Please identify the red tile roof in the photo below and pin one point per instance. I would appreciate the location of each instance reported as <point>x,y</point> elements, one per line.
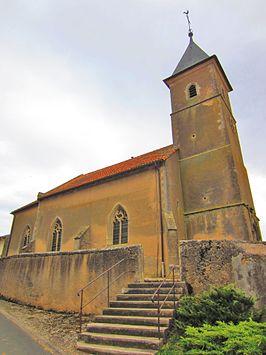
<point>125,166</point>
<point>132,164</point>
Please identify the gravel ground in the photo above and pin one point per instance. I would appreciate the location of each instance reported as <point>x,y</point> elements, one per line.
<point>56,331</point>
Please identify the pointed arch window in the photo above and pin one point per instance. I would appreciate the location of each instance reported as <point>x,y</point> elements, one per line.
<point>192,90</point>
<point>26,237</point>
<point>120,227</point>
<point>57,236</point>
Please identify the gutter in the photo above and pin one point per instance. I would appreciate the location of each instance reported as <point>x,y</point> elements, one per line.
<point>101,180</point>
<point>41,196</point>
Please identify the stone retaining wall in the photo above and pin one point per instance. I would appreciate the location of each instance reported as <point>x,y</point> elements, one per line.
<point>52,280</point>
<point>212,262</point>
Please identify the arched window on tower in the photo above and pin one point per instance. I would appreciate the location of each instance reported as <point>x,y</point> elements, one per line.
<point>57,236</point>
<point>120,227</point>
<point>192,90</point>
<point>26,237</point>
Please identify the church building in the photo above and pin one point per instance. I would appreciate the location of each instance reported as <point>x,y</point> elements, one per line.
<point>195,188</point>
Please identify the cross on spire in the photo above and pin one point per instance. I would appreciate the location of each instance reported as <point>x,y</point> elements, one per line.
<point>190,32</point>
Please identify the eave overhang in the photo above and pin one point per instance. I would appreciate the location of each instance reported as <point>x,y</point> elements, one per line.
<point>213,57</point>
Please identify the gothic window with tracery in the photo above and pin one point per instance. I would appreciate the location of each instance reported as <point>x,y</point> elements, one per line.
<point>57,236</point>
<point>26,236</point>
<point>120,227</point>
<point>192,90</point>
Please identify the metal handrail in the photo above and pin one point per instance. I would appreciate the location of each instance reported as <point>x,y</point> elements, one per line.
<point>105,288</point>
<point>168,294</point>
<point>161,284</point>
<point>157,292</point>
<point>81,291</point>
<point>104,272</point>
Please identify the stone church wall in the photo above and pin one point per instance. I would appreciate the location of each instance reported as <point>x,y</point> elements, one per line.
<point>52,280</point>
<point>87,217</point>
<point>207,262</point>
<point>22,220</point>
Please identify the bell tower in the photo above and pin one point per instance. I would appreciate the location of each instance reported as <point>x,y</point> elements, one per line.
<point>216,193</point>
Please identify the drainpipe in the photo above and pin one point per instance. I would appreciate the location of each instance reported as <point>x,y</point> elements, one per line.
<point>157,167</point>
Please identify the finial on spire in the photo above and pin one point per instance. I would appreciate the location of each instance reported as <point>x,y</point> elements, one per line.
<point>190,32</point>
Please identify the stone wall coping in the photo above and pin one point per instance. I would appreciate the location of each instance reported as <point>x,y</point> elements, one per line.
<point>74,252</point>
<point>257,248</point>
<point>44,277</point>
<point>222,241</point>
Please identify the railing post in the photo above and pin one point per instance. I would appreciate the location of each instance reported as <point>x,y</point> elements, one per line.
<point>174,284</point>
<point>80,310</point>
<point>109,283</point>
<point>158,310</point>
<point>108,288</point>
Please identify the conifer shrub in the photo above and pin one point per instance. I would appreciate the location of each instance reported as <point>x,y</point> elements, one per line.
<point>226,304</point>
<point>247,338</point>
<point>219,321</point>
<point>171,347</point>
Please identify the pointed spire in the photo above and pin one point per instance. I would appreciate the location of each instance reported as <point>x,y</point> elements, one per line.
<point>193,54</point>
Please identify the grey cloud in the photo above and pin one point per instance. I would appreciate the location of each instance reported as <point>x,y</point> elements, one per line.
<point>80,80</point>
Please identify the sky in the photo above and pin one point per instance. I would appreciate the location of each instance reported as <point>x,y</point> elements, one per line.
<point>81,85</point>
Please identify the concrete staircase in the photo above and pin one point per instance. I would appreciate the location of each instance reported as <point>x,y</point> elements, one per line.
<point>130,325</point>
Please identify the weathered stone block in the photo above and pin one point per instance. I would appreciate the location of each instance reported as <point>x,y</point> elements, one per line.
<point>52,280</point>
<point>206,263</point>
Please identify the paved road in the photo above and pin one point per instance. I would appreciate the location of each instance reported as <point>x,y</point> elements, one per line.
<point>14,341</point>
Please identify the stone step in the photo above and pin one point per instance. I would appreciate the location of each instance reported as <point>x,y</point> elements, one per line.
<point>111,350</point>
<point>127,341</point>
<point>140,304</point>
<point>155,284</point>
<point>125,329</point>
<point>146,297</point>
<point>142,312</point>
<point>135,320</point>
<point>164,290</point>
<point>130,325</point>
<point>160,279</point>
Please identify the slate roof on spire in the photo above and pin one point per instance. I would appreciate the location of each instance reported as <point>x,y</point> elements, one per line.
<point>193,55</point>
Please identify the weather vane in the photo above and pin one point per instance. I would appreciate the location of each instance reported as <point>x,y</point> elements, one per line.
<point>190,32</point>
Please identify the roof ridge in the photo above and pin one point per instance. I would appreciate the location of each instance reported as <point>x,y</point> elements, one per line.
<point>132,158</point>
<point>146,159</point>
<point>75,178</point>
<point>112,170</point>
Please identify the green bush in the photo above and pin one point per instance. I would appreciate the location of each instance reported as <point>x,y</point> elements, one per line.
<point>247,338</point>
<point>203,319</point>
<point>171,347</point>
<point>226,304</point>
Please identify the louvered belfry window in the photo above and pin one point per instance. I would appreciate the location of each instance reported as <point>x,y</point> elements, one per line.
<point>57,236</point>
<point>192,90</point>
<point>120,227</point>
